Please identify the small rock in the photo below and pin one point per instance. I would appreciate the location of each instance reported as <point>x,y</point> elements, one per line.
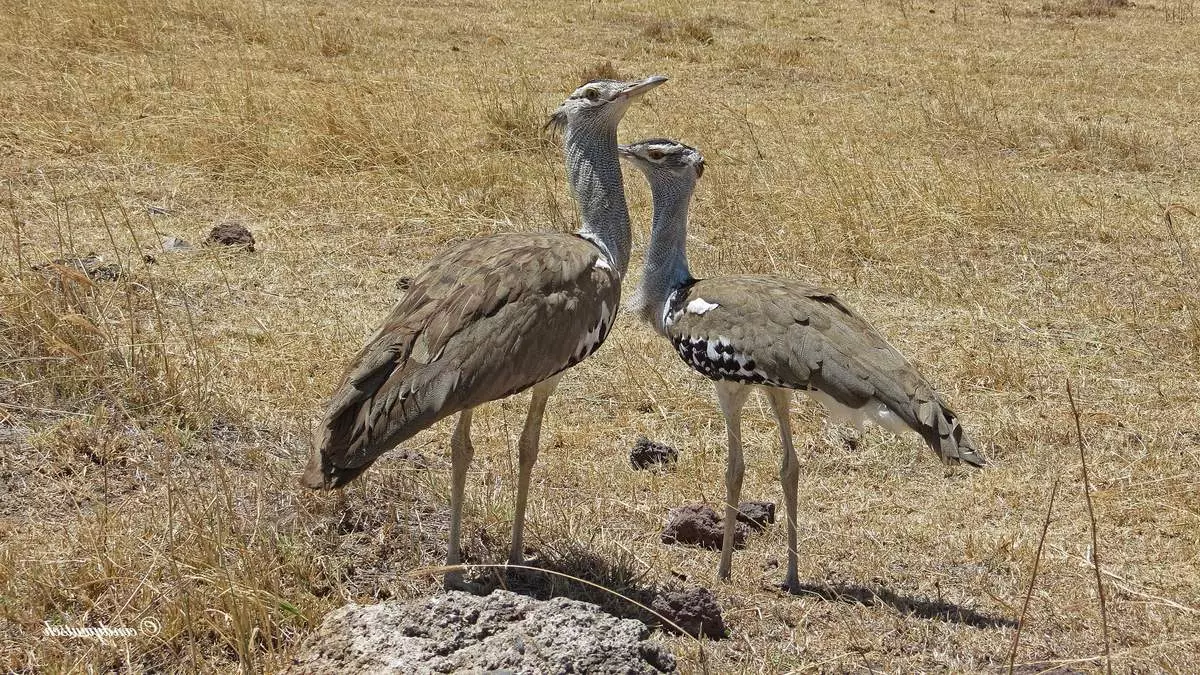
<point>156,210</point>
<point>756,514</point>
<point>699,525</point>
<point>404,283</point>
<point>1041,668</point>
<point>231,233</point>
<point>647,454</point>
<point>460,632</point>
<point>175,245</point>
<point>92,265</point>
<point>694,610</point>
<point>109,272</point>
<point>413,457</point>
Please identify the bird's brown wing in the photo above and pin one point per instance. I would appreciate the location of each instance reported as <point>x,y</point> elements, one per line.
<point>784,333</point>
<point>487,319</point>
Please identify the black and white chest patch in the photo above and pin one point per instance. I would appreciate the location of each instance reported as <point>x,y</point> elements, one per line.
<point>718,359</point>
<point>714,357</point>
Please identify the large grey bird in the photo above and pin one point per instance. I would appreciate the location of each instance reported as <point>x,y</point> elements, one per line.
<point>492,317</point>
<point>778,335</point>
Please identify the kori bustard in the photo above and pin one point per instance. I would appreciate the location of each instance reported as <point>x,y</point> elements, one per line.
<point>778,335</point>
<point>489,318</point>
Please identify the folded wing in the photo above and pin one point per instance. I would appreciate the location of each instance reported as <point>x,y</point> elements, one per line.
<point>784,333</point>
<point>487,319</point>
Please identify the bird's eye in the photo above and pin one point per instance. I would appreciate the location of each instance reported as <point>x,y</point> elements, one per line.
<point>655,154</point>
<point>591,93</point>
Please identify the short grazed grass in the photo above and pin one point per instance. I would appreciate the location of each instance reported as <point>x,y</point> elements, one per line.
<point>1009,191</point>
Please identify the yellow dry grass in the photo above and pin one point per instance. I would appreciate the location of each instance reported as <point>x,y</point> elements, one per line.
<point>988,182</point>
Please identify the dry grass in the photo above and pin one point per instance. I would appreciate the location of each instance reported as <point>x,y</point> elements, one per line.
<point>988,183</point>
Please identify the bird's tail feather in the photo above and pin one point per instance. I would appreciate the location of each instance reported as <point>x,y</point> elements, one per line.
<point>325,475</point>
<point>940,428</point>
<point>368,417</point>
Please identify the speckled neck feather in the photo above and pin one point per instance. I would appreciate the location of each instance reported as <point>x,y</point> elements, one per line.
<point>594,173</point>
<point>666,266</point>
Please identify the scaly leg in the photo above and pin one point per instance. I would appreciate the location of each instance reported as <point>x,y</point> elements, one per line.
<point>528,452</point>
<point>732,396</point>
<point>461,453</point>
<point>789,476</point>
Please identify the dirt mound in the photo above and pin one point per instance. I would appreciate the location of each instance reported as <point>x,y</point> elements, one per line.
<point>456,631</point>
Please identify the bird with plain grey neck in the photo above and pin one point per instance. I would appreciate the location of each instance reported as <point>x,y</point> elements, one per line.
<point>777,335</point>
<point>489,318</point>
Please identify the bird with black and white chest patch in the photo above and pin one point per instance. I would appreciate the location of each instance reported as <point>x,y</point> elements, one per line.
<point>492,317</point>
<point>778,335</point>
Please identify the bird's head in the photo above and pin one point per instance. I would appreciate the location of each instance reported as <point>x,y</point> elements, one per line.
<point>664,160</point>
<point>601,103</point>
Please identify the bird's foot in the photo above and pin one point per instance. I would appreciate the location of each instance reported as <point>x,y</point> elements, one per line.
<point>791,586</point>
<point>454,581</point>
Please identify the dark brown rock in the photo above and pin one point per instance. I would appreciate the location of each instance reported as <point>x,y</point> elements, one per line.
<point>647,454</point>
<point>699,525</point>
<point>231,233</point>
<point>756,514</point>
<point>694,610</point>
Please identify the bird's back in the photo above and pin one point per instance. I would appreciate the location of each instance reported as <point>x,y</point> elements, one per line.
<point>487,319</point>
<point>786,333</point>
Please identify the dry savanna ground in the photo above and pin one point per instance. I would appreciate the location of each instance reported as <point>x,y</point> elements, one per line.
<point>1009,191</point>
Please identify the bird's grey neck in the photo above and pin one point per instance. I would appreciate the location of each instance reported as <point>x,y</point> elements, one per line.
<point>594,172</point>
<point>666,267</point>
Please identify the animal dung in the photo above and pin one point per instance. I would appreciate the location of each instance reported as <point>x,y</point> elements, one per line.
<point>756,514</point>
<point>231,233</point>
<point>647,454</point>
<point>699,525</point>
<point>694,610</point>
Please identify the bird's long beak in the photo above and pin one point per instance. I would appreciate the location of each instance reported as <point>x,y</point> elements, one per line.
<point>624,151</point>
<point>636,89</point>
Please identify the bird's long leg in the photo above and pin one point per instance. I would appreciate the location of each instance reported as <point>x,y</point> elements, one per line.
<point>789,477</point>
<point>528,452</point>
<point>461,453</point>
<point>732,396</point>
